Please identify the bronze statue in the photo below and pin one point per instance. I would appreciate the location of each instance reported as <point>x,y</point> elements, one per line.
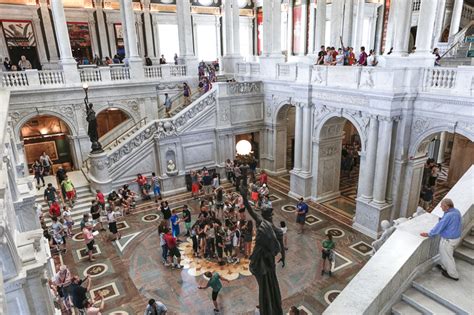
<point>268,243</point>
<point>92,128</point>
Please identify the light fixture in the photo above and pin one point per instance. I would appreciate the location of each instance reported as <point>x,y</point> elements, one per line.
<point>243,147</point>
<point>85,86</point>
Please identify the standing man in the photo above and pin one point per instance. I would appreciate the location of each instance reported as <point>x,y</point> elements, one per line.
<point>301,211</point>
<point>449,228</point>
<point>216,285</point>
<point>45,160</point>
<point>321,55</point>
<point>70,190</point>
<point>50,194</point>
<point>167,104</point>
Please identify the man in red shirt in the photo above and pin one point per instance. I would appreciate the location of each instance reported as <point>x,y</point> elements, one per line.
<point>173,251</point>
<point>55,209</point>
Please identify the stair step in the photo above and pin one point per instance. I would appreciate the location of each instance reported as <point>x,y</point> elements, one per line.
<point>465,253</point>
<point>403,308</point>
<point>468,241</point>
<point>424,303</point>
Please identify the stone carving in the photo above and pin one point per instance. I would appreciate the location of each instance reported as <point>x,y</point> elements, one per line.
<point>388,229</point>
<point>420,125</point>
<point>346,99</point>
<point>327,151</point>
<point>244,88</point>
<point>133,105</point>
<point>169,86</point>
<point>268,110</point>
<point>99,164</point>
<point>183,117</point>
<point>367,78</point>
<point>225,113</point>
<point>320,111</point>
<point>318,75</point>
<point>67,111</point>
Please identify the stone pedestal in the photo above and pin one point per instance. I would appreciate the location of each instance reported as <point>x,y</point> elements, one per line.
<point>300,185</point>
<point>25,212</point>
<point>99,172</point>
<point>230,63</point>
<point>136,68</point>
<point>268,65</point>
<point>368,217</point>
<point>169,184</point>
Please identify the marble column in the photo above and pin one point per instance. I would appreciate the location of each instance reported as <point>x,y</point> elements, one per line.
<point>232,35</point>
<point>382,161</point>
<point>390,28</point>
<point>307,137</point>
<point>320,38</point>
<point>442,147</point>
<point>49,32</point>
<point>130,37</point>
<point>67,62</point>
<point>150,51</point>
<point>303,29</point>
<point>298,137</point>
<point>141,36</point>
<point>289,43</point>
<point>236,26</point>
<point>402,19</point>
<point>440,12</point>
<point>104,44</point>
<point>336,22</point>
<point>112,40</point>
<point>183,13</point>
<point>276,34</point>
<point>359,25</point>
<point>312,24</point>
<point>369,166</point>
<point>456,17</point>
<point>39,39</point>
<point>156,36</point>
<point>94,36</point>
<point>426,22</point>
<point>348,22</point>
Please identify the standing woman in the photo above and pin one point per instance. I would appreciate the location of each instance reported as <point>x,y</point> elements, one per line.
<point>38,170</point>
<point>186,94</point>
<point>113,224</point>
<point>194,185</point>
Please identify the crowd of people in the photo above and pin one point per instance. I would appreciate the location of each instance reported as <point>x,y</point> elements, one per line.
<point>345,56</point>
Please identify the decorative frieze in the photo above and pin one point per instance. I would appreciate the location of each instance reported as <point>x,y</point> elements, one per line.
<point>244,88</point>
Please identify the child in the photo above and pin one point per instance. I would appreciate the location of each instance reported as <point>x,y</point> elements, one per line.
<point>175,223</point>
<point>284,229</point>
<point>67,216</point>
<point>328,253</point>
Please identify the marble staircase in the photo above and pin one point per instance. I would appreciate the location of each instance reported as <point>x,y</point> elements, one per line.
<point>82,205</point>
<point>432,293</point>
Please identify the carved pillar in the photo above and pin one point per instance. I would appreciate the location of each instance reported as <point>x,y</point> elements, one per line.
<point>312,23</point>
<point>150,51</point>
<point>39,39</point>
<point>104,44</point>
<point>49,32</point>
<point>367,185</point>
<point>336,21</point>
<point>185,30</point>
<point>320,38</point>
<point>304,28</point>
<point>456,17</point>
<point>67,60</point>
<point>298,137</point>
<point>156,36</point>
<point>359,25</point>
<point>347,27</point>
<point>290,28</point>
<point>94,36</point>
<point>130,37</point>
<point>307,135</point>
<point>425,28</point>
<point>442,147</point>
<point>99,172</point>
<point>382,161</point>
<point>141,37</point>
<point>112,39</point>
<point>401,26</point>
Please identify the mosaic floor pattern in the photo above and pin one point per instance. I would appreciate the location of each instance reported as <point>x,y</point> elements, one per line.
<point>128,272</point>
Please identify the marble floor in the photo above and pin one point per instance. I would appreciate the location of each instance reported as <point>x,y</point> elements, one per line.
<point>129,272</point>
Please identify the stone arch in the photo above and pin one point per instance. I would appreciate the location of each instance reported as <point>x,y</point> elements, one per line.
<point>359,123</point>
<point>130,113</point>
<point>284,135</point>
<point>423,136</point>
<point>72,125</point>
<point>278,104</point>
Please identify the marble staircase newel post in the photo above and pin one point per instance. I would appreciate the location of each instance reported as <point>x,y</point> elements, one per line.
<point>49,33</point>
<point>130,36</point>
<point>99,172</point>
<point>68,62</point>
<point>320,25</point>
<point>382,160</point>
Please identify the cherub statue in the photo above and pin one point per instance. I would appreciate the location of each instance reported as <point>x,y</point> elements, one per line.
<point>171,166</point>
<point>388,229</point>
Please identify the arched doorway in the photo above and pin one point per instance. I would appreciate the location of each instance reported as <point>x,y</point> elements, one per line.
<point>112,118</point>
<point>285,139</point>
<point>337,166</point>
<point>50,134</point>
<point>441,159</point>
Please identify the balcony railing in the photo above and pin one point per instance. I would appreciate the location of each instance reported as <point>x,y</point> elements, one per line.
<point>90,74</point>
<point>417,5</point>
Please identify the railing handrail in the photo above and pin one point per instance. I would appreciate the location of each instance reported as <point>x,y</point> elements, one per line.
<point>458,38</point>
<point>141,122</point>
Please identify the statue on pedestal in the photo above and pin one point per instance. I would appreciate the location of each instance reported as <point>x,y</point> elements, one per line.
<point>268,244</point>
<point>92,127</point>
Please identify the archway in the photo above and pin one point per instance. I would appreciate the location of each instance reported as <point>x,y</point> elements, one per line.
<point>336,165</point>
<point>50,134</point>
<point>285,139</point>
<point>439,162</point>
<point>112,118</point>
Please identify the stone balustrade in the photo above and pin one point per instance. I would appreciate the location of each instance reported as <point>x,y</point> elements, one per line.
<point>20,80</point>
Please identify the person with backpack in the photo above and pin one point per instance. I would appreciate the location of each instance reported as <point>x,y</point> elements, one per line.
<point>327,253</point>
<point>38,170</point>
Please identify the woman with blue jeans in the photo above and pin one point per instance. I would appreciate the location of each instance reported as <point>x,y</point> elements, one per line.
<point>162,230</point>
